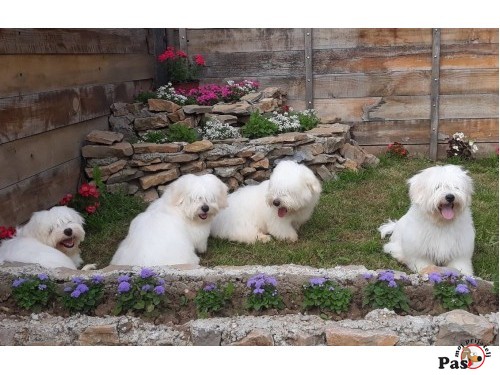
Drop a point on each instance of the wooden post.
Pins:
(309, 72)
(183, 40)
(159, 39)
(436, 48)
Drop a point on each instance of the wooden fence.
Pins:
(378, 80)
(56, 85)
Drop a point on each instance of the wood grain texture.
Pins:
(42, 191)
(207, 41)
(469, 36)
(37, 113)
(29, 156)
(417, 131)
(73, 41)
(27, 74)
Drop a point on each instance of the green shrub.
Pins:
(264, 294)
(451, 290)
(143, 96)
(83, 295)
(212, 298)
(181, 133)
(258, 126)
(155, 136)
(326, 295)
(33, 292)
(308, 119)
(385, 292)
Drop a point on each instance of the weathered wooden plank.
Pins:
(354, 38)
(485, 149)
(63, 41)
(159, 45)
(26, 74)
(37, 113)
(29, 156)
(408, 107)
(280, 63)
(19, 201)
(469, 36)
(207, 41)
(469, 56)
(478, 81)
(417, 131)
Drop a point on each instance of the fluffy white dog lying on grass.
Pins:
(176, 226)
(277, 207)
(50, 238)
(438, 228)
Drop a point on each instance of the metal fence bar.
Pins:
(309, 71)
(436, 50)
(183, 40)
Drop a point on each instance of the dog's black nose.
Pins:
(68, 231)
(205, 208)
(449, 197)
(276, 202)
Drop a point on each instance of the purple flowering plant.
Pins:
(326, 295)
(144, 292)
(263, 293)
(212, 298)
(385, 291)
(83, 295)
(33, 292)
(452, 289)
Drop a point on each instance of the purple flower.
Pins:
(77, 280)
(68, 289)
(124, 287)
(471, 281)
(386, 276)
(451, 275)
(42, 276)
(17, 282)
(42, 287)
(258, 291)
(210, 287)
(159, 290)
(317, 281)
(462, 289)
(75, 293)
(123, 278)
(97, 279)
(435, 278)
(146, 288)
(160, 281)
(270, 280)
(146, 272)
(392, 284)
(367, 276)
(82, 288)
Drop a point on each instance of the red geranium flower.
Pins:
(199, 60)
(182, 54)
(7, 232)
(90, 209)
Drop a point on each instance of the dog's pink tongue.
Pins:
(447, 212)
(282, 211)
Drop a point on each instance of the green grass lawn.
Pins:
(343, 228)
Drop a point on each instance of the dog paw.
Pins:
(88, 267)
(264, 238)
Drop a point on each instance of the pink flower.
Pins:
(199, 60)
(169, 54)
(90, 209)
(182, 54)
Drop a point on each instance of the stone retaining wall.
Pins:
(378, 327)
(146, 168)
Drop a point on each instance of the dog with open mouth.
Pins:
(50, 238)
(175, 227)
(438, 228)
(274, 208)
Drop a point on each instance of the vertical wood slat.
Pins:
(436, 49)
(183, 40)
(309, 71)
(159, 41)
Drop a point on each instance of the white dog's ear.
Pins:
(222, 196)
(417, 186)
(313, 183)
(176, 194)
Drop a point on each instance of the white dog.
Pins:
(438, 228)
(175, 226)
(50, 238)
(277, 207)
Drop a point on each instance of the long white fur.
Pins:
(170, 231)
(423, 236)
(251, 215)
(38, 241)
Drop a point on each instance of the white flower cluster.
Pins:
(167, 92)
(459, 136)
(309, 112)
(285, 122)
(216, 129)
(246, 86)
